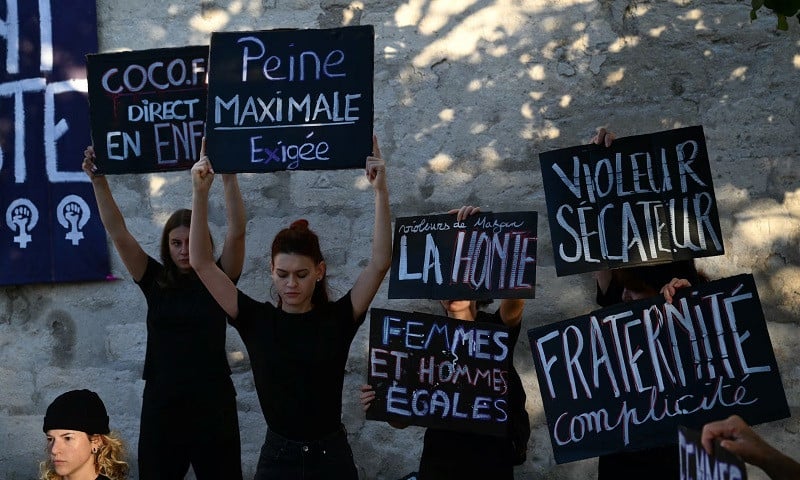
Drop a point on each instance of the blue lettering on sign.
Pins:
(289, 156)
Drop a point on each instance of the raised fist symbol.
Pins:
(73, 213)
(21, 216)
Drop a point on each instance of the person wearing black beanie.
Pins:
(80, 443)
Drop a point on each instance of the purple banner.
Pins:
(50, 230)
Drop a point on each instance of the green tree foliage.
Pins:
(782, 8)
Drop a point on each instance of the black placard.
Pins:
(291, 99)
(696, 463)
(646, 199)
(487, 255)
(148, 108)
(439, 372)
(623, 378)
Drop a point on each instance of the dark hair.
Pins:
(172, 277)
(300, 240)
(653, 277)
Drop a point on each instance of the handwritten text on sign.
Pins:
(436, 371)
(148, 108)
(291, 99)
(487, 255)
(624, 377)
(647, 198)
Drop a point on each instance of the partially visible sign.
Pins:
(290, 99)
(697, 464)
(50, 230)
(148, 108)
(487, 255)
(623, 378)
(646, 199)
(439, 372)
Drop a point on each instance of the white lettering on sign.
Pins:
(136, 78)
(18, 90)
(306, 65)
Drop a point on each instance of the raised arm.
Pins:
(369, 280)
(510, 308)
(737, 436)
(233, 249)
(131, 253)
(511, 311)
(201, 257)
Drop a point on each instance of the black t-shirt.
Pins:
(298, 363)
(612, 295)
(185, 330)
(465, 448)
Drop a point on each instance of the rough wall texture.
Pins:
(467, 94)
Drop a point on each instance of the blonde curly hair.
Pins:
(108, 461)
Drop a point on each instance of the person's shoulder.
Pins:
(345, 299)
(341, 309)
(247, 303)
(151, 273)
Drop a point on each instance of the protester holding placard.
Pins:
(299, 347)
(736, 436)
(646, 199)
(186, 367)
(618, 382)
(625, 285)
(80, 444)
(450, 454)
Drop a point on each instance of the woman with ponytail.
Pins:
(299, 347)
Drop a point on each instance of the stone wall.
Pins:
(467, 94)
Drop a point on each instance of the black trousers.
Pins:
(449, 455)
(327, 459)
(189, 424)
(660, 463)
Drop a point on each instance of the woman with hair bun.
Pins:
(80, 443)
(299, 347)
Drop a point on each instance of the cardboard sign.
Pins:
(439, 372)
(488, 255)
(646, 199)
(697, 464)
(50, 230)
(290, 99)
(148, 108)
(623, 378)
